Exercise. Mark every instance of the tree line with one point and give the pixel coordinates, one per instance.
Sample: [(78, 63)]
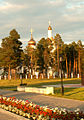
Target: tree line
[(46, 55)]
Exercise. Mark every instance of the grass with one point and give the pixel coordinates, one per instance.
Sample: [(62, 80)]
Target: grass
[(71, 93), (37, 82)]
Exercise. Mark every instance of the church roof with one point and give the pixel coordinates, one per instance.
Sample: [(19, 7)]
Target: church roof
[(32, 42), (49, 28)]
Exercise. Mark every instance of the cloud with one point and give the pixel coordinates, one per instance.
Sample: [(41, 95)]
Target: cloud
[(73, 18), (6, 7), (75, 6), (73, 36), (57, 3), (66, 18)]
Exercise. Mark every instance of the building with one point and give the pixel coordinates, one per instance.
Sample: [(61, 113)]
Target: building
[(51, 37), (31, 42), (49, 31)]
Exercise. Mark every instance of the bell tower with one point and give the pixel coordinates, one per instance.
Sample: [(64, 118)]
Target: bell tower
[(49, 31)]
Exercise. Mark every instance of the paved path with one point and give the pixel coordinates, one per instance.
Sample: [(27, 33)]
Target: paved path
[(38, 99), (46, 100), (66, 86), (6, 115)]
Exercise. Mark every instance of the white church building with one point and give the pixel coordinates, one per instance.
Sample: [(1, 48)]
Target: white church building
[(32, 44)]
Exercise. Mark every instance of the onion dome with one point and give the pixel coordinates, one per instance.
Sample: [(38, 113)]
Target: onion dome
[(32, 41), (49, 28)]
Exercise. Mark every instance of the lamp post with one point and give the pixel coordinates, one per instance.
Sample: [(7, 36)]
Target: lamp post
[(31, 66), (21, 74), (82, 67), (62, 87)]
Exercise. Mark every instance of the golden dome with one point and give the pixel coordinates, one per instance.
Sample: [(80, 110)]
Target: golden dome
[(32, 42), (49, 28)]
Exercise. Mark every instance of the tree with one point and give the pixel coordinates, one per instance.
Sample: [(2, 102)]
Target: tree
[(31, 58), (80, 46), (11, 51), (25, 59), (58, 44), (44, 48), (74, 58), (82, 66), (65, 54)]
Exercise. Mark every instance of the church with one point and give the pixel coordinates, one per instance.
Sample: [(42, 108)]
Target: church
[(32, 44)]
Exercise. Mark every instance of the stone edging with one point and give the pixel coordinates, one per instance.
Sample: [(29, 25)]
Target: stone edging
[(46, 90)]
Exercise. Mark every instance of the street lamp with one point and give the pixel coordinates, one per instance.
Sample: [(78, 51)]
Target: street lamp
[(31, 66), (62, 87), (21, 74)]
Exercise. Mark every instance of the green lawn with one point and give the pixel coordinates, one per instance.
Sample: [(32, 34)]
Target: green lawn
[(37, 82), (71, 93)]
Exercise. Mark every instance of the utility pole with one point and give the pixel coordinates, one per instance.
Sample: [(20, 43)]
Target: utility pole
[(62, 87)]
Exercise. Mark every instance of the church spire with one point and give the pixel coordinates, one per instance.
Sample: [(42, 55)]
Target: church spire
[(32, 42), (31, 33), (49, 22), (49, 31)]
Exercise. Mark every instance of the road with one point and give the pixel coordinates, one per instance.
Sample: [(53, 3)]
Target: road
[(44, 100), (41, 100)]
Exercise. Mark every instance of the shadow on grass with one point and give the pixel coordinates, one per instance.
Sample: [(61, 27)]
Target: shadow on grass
[(74, 92), (54, 83), (13, 88), (43, 83), (58, 90)]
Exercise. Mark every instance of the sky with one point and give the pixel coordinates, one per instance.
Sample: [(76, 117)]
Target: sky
[(66, 16)]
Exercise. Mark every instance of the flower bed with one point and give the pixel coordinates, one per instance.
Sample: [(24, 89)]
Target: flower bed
[(36, 112)]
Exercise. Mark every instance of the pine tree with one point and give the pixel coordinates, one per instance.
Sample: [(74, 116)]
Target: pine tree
[(44, 48), (82, 66), (11, 51), (58, 43)]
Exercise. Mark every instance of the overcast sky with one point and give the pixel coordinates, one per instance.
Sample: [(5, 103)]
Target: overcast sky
[(66, 16)]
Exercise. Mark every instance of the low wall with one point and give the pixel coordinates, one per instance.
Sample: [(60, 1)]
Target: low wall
[(47, 90), (21, 88)]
